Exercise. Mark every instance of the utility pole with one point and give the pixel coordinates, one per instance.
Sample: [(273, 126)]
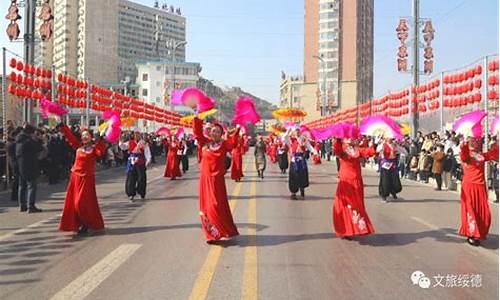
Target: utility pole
[(323, 89), (29, 48), (416, 68)]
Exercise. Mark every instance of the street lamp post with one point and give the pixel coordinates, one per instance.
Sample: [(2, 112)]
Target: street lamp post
[(323, 88), (173, 45)]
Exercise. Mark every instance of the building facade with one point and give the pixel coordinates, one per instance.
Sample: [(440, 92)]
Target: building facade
[(296, 93), (101, 40), (339, 49), (156, 78), (143, 33)]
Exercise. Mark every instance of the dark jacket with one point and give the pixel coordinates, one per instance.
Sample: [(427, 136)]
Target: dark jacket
[(27, 152)]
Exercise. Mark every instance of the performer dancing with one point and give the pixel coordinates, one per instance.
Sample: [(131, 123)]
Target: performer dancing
[(215, 213), (349, 214), (184, 157), (476, 216), (389, 183), (237, 160), (260, 156), (81, 210), (172, 166), (282, 157), (298, 176), (139, 157)]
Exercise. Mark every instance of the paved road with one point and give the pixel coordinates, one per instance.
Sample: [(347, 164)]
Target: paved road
[(287, 250)]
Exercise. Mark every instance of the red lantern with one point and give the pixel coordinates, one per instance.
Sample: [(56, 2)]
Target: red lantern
[(38, 72), (20, 66), (11, 89), (13, 63)]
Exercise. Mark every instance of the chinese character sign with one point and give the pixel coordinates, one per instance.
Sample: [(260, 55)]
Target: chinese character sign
[(402, 54)]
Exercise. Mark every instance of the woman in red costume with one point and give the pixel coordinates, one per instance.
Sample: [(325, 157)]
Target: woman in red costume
[(216, 218), (172, 167), (274, 150), (476, 216), (81, 211), (349, 213), (237, 161), (317, 157)]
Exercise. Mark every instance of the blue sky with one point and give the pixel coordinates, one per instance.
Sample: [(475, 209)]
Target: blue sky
[(248, 42)]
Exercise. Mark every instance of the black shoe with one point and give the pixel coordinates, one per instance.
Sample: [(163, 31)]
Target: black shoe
[(131, 198), (34, 209), (143, 197), (302, 194), (395, 197), (473, 242), (347, 238), (23, 209), (293, 197), (83, 230)]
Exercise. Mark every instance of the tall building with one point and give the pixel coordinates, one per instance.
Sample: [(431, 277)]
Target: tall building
[(101, 40), (338, 50), (143, 35)]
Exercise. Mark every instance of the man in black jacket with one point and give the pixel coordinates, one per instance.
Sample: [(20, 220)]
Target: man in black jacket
[(27, 153)]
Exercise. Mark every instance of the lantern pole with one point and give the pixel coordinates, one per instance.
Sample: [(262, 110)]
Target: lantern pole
[(53, 91), (441, 107), (87, 106), (415, 69), (4, 113), (485, 99)]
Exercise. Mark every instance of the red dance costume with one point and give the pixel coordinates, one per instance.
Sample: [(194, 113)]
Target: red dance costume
[(349, 213), (476, 216), (237, 161), (317, 156), (215, 213), (172, 167), (80, 204), (274, 152)]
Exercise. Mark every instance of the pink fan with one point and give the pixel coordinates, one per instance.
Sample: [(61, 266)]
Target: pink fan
[(345, 130), (113, 131), (322, 133), (163, 130), (245, 112), (189, 96), (495, 126), (205, 104), (381, 126), (51, 108), (180, 133), (469, 125), (289, 124)]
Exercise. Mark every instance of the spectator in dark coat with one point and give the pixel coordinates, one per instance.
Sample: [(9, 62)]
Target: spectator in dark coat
[(28, 150), (14, 172)]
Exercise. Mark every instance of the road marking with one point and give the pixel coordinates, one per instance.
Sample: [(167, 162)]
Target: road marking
[(204, 279), (249, 289), (489, 253), (31, 226), (37, 224), (82, 286)]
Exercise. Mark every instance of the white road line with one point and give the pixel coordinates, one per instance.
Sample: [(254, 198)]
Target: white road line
[(93, 277), (37, 224), (490, 253), (21, 230)]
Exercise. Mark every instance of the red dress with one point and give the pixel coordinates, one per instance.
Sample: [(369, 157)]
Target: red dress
[(80, 204), (237, 160), (476, 216), (172, 167), (274, 152), (317, 157), (215, 213), (349, 214)]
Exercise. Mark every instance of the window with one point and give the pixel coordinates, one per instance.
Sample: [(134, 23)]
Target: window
[(144, 92), (158, 68), (145, 77), (158, 83)]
